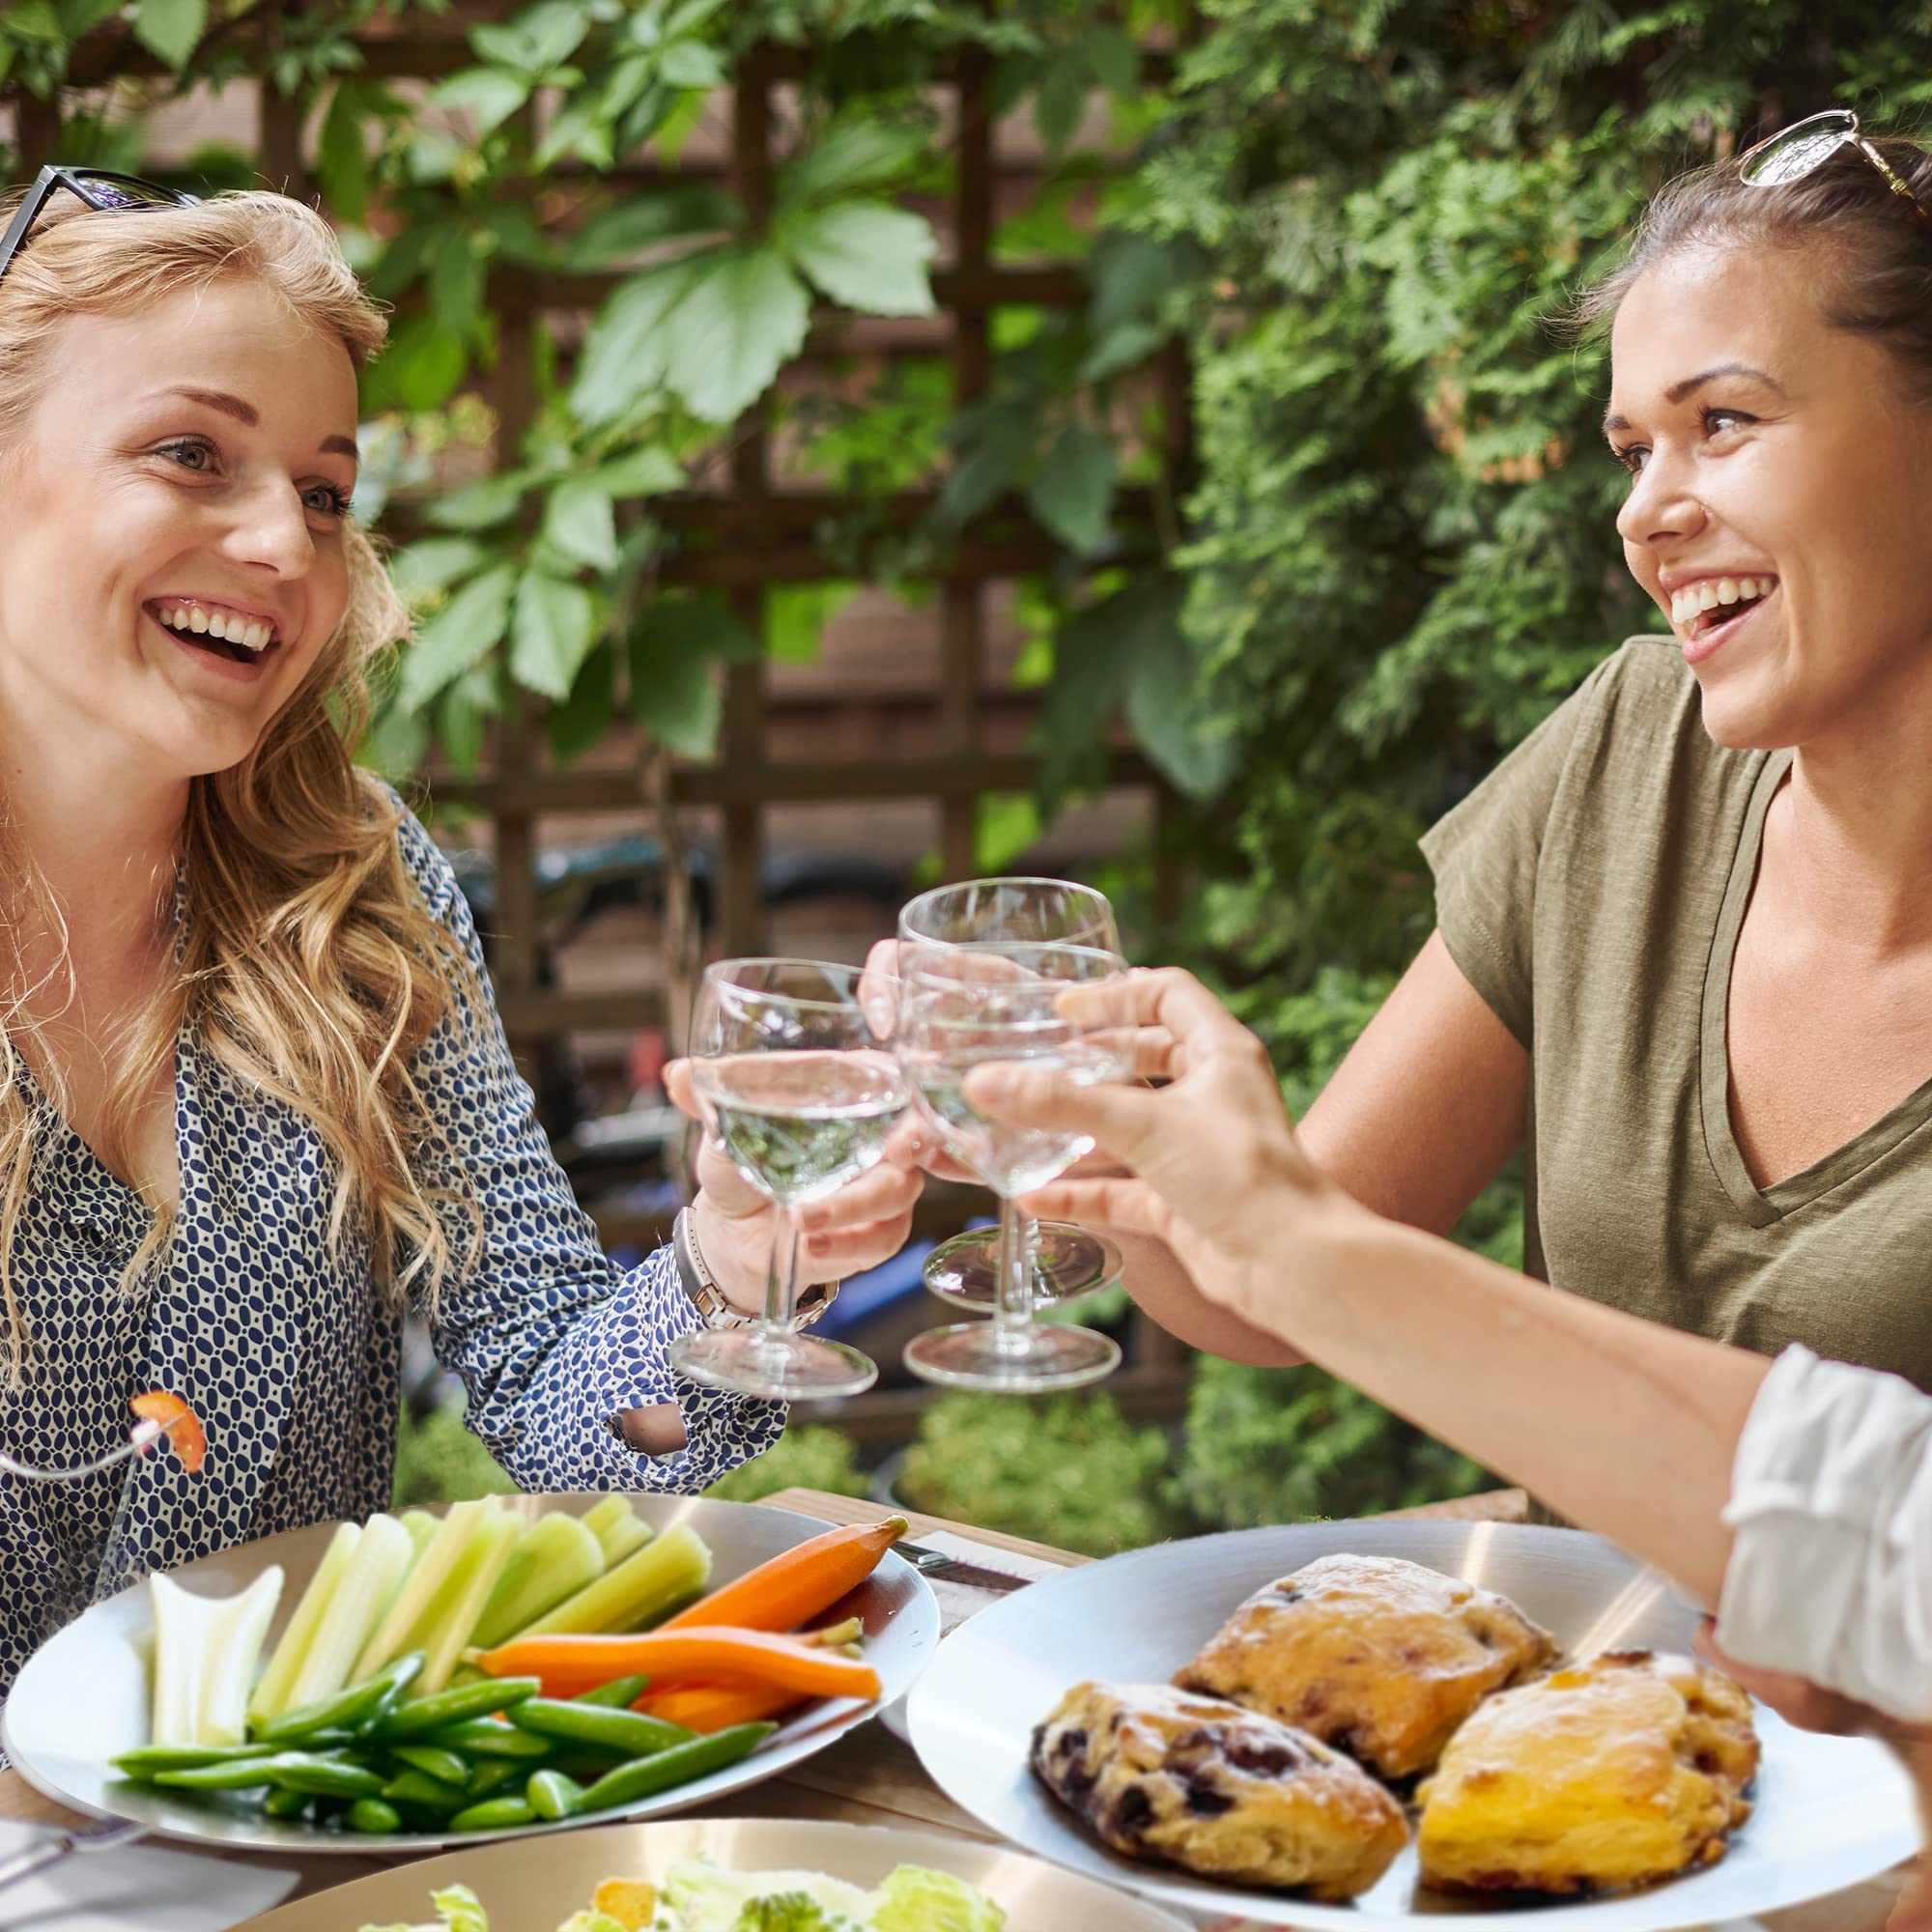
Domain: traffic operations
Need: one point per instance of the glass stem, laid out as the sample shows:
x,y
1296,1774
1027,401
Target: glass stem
x,y
1013,1312
782,1274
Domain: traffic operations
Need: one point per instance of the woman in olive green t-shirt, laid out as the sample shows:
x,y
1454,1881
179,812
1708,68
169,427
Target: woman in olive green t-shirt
x,y
1685,940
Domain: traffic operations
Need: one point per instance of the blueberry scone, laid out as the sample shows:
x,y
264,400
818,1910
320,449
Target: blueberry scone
x,y
1223,1792
1380,1658
1603,1775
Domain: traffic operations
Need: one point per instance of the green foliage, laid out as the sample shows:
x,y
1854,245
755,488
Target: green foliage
x,y
438,1460
1064,1469
808,1456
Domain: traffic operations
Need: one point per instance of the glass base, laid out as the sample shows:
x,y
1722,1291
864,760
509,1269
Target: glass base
x,y
781,1367
1069,1264
1012,1361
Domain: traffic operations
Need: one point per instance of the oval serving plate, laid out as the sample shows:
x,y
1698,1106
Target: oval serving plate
x,y
532,1894
98,1665
1830,1812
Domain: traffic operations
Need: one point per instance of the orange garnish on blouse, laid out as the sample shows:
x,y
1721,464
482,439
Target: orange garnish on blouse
x,y
179,1423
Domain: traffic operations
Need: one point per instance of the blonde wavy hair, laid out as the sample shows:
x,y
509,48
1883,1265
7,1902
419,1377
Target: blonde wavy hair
x,y
306,958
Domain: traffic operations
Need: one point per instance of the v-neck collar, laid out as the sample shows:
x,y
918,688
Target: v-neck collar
x,y
1761,1206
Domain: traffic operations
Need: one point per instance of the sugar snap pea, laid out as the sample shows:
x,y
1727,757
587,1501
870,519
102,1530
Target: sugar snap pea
x,y
620,1693
493,1774
324,1777
286,1803
437,1761
495,1814
645,1777
346,1710
426,1793
628,1732
457,1705
479,1737
235,1774
371,1815
146,1760
552,1794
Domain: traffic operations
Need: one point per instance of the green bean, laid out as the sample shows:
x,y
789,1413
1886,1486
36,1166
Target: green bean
x,y
146,1760
456,1705
345,1710
324,1777
480,1737
644,1776
620,1693
627,1732
447,1766
371,1815
492,1774
495,1814
236,1775
428,1793
554,1795
286,1803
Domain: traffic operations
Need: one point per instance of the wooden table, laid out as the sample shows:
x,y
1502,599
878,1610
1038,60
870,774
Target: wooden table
x,y
869,1777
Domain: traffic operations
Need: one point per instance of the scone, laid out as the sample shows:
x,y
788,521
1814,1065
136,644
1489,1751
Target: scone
x,y
1380,1658
1603,1775
1203,1784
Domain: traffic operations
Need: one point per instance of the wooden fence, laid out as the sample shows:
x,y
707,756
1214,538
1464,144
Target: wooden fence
x,y
775,544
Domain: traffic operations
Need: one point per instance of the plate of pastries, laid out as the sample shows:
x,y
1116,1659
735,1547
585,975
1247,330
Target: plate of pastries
x,y
1370,1724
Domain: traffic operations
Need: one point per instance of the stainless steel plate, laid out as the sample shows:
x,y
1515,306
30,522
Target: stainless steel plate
x,y
524,1892
1831,1812
83,1697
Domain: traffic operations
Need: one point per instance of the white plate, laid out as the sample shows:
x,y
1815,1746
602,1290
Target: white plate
x,y
97,1666
524,1892
1829,1811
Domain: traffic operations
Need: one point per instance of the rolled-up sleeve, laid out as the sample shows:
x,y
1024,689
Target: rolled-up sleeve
x,y
551,1340
1831,1570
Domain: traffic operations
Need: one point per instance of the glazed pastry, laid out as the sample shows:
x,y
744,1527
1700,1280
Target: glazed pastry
x,y
1603,1775
1225,1793
1380,1658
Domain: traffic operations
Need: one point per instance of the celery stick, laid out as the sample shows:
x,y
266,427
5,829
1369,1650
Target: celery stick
x,y
402,1628
205,1649
556,1557
272,1693
645,1584
618,1527
423,1528
466,1592
368,1586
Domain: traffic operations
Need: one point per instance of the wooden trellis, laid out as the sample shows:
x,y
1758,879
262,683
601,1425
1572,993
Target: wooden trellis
x,y
744,782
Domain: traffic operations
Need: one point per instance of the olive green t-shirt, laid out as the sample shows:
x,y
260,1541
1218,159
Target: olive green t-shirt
x,y
1591,890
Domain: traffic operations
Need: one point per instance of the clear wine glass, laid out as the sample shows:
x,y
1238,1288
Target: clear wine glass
x,y
964,1006
1069,1263
802,1097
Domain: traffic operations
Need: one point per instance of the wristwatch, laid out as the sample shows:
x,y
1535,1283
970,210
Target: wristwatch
x,y
709,1299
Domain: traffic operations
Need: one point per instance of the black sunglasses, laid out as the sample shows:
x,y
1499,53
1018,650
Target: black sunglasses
x,y
100,190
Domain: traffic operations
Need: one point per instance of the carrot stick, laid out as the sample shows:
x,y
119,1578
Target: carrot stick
x,y
716,1707
797,1583
571,1663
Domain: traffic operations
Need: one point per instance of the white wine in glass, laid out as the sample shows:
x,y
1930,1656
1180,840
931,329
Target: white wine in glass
x,y
802,1097
1069,1263
969,1007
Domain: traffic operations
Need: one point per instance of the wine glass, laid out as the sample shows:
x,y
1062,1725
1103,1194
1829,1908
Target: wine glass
x,y
802,1097
963,1007
1068,1263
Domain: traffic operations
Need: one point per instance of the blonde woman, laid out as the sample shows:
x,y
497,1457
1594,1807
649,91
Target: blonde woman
x,y
254,1096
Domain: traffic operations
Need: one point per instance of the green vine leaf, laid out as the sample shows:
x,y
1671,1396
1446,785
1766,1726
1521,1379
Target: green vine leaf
x,y
866,254
582,523
481,506
342,157
580,723
648,472
643,221
538,39
463,633
1074,489
629,349
554,628
675,694
851,158
487,92
169,29
740,319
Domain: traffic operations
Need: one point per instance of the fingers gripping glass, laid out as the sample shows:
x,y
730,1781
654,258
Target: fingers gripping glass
x,y
1806,146
102,190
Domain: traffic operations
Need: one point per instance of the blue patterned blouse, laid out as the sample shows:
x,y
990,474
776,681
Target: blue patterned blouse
x,y
291,1360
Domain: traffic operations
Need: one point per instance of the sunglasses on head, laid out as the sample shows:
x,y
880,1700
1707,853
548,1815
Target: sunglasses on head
x,y
99,188
1806,146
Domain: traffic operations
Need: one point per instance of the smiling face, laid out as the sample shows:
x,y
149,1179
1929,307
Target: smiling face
x,y
1774,453
187,466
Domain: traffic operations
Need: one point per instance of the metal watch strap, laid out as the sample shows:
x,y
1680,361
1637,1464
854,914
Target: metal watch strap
x,y
710,1299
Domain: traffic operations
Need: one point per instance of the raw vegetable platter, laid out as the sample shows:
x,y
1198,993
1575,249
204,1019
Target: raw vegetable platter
x,y
350,1608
